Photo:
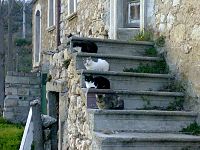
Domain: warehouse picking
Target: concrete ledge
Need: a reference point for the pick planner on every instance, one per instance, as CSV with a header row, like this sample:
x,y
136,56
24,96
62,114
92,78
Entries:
x,y
147,121
111,41
142,112
119,56
114,73
155,93
149,137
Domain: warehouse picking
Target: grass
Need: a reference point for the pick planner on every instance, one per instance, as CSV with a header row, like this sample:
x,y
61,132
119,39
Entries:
x,y
159,67
10,135
193,129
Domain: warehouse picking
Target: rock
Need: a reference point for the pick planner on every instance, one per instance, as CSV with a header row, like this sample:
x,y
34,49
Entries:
x,y
47,121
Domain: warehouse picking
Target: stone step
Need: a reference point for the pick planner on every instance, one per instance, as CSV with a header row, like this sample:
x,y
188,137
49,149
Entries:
x,y
141,99
107,46
117,62
140,120
145,141
131,81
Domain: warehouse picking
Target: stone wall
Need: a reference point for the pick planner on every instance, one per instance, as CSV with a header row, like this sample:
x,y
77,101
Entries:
x,y
20,89
90,20
179,21
74,127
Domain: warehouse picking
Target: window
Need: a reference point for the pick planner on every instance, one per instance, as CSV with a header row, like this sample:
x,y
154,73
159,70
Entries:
x,y
132,14
72,7
51,13
37,39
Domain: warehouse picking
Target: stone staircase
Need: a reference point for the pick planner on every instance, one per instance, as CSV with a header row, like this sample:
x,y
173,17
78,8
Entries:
x,y
145,123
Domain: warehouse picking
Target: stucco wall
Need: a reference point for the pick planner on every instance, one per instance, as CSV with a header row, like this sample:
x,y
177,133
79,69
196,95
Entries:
x,y
179,21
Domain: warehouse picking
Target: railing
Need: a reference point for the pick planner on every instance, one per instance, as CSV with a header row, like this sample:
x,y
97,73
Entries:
x,y
34,123
27,138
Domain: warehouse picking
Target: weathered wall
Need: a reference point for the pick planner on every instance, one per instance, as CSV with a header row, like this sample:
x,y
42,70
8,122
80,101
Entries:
x,y
20,89
91,19
48,34
179,21
74,124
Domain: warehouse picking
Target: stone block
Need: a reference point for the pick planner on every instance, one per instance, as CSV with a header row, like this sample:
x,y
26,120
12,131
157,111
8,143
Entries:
x,y
16,79
35,92
34,80
11,103
10,91
22,91
8,115
24,103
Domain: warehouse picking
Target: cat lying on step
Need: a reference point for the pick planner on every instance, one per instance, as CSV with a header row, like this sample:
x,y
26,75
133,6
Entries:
x,y
98,82
109,101
83,46
100,65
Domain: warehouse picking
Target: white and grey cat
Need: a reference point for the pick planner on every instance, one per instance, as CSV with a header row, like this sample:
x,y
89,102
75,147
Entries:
x,y
100,65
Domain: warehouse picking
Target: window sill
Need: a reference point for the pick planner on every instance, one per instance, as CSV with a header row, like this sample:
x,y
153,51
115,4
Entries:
x,y
51,28
72,16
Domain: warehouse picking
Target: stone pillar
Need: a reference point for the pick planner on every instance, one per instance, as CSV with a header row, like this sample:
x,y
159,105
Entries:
x,y
37,126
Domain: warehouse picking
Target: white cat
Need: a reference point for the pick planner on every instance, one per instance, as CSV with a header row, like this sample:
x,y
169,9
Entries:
x,y
100,65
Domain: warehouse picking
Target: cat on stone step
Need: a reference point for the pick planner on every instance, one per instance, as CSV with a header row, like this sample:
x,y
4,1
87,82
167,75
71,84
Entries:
x,y
85,46
100,65
98,82
109,101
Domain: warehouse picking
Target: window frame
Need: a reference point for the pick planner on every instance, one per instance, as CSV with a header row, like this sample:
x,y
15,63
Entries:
x,y
72,10
38,9
127,22
53,13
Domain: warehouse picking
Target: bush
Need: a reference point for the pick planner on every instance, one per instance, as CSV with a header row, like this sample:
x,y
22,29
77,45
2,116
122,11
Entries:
x,y
22,42
10,135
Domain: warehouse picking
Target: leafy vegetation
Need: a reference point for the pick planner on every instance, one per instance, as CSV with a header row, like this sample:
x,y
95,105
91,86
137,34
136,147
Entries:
x,y
152,52
143,36
10,135
176,105
193,129
22,42
174,86
159,67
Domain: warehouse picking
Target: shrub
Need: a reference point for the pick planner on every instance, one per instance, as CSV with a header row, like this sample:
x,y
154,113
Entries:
x,y
22,42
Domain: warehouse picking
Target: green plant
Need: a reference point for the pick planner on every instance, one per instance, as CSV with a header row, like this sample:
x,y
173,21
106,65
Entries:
x,y
193,129
22,42
152,52
176,105
160,41
159,67
147,102
49,78
10,135
143,36
66,63
174,86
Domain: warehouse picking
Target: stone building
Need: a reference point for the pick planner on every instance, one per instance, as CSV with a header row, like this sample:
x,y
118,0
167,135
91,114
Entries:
x,y
177,20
